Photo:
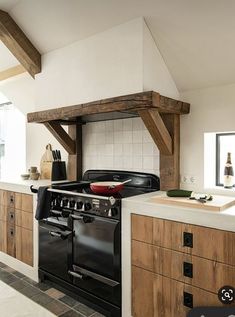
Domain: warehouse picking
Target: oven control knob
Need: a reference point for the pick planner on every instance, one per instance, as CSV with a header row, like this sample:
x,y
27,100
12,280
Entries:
x,y
65,202
57,202
79,204
87,206
72,203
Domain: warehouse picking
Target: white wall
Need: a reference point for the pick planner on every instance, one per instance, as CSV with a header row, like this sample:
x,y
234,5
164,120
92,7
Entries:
x,y
156,75
104,65
212,110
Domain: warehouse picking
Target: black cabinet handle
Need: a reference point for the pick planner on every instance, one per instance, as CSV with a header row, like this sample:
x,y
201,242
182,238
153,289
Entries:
x,y
188,269
188,239
12,232
188,300
12,216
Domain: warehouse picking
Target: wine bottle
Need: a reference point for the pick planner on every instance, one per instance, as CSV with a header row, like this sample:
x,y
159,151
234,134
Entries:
x,y
228,173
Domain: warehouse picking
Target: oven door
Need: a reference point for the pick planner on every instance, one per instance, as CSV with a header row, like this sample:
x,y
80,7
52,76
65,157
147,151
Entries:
x,y
96,244
95,259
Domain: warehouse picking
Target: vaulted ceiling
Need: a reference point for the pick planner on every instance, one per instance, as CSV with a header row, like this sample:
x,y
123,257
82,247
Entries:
x,y
196,38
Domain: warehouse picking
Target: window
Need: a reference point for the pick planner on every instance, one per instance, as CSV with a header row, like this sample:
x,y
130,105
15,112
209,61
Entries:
x,y
225,142
12,140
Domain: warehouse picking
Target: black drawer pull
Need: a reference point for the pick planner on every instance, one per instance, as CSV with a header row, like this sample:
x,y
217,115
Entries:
x,y
12,216
188,239
188,300
11,199
12,232
188,269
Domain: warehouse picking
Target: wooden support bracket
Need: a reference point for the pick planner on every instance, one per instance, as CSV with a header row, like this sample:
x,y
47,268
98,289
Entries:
x,y
61,136
158,130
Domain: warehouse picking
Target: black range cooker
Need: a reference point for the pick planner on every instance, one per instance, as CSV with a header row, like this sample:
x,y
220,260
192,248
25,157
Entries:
x,y
80,242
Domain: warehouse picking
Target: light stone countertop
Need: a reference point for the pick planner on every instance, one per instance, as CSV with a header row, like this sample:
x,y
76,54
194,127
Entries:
x,y
22,186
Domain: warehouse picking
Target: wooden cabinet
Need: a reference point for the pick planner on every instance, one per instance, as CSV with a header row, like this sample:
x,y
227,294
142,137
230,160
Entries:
x,y
181,265
16,225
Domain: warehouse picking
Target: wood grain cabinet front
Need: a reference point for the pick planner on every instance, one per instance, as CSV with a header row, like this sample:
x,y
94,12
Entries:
x,y
16,225
181,265
195,240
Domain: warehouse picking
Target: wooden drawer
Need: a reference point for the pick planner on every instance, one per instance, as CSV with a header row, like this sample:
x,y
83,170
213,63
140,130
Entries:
x,y
27,203
27,220
11,216
154,295
183,267
142,228
3,236
3,213
24,245
11,248
213,244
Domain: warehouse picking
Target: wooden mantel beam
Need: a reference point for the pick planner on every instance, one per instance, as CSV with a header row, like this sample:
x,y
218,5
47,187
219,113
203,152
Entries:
x,y
128,103
61,136
19,45
158,130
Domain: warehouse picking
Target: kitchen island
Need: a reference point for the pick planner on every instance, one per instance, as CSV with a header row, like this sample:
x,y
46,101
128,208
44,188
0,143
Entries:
x,y
145,214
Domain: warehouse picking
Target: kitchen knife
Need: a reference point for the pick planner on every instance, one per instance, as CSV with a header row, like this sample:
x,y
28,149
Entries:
x,y
54,155
59,155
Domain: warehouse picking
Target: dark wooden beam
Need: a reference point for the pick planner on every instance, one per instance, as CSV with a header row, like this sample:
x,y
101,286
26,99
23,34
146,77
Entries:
x,y
157,129
170,164
74,170
19,45
61,136
128,103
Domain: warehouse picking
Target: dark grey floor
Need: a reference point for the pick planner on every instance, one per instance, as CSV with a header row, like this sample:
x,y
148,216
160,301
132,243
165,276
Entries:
x,y
47,296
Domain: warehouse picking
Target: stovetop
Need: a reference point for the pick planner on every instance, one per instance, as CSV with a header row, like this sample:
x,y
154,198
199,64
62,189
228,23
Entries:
x,y
141,183
77,197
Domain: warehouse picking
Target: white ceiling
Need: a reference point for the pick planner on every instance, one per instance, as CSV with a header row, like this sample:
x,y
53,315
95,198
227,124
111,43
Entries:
x,y
195,37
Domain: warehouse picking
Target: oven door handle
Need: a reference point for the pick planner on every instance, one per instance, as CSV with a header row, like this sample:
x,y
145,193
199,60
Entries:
x,y
60,234
75,217
80,276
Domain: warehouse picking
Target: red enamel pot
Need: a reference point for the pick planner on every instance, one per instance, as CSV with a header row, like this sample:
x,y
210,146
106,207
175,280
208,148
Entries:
x,y
107,188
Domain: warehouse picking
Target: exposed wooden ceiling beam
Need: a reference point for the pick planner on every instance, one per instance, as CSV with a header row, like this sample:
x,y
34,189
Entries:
x,y
19,45
11,72
128,103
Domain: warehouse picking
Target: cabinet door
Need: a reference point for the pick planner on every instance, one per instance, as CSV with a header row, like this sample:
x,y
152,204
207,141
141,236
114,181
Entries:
x,y
142,293
3,236
27,202
11,248
142,228
27,246
27,220
3,213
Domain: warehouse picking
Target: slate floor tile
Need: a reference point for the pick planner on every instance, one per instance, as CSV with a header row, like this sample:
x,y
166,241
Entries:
x,y
71,313
30,291
9,269
42,286
8,279
2,265
97,315
42,299
19,284
57,307
29,280
83,309
69,301
19,275
54,293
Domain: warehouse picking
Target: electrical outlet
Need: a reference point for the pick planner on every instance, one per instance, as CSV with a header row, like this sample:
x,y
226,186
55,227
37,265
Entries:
x,y
192,179
185,179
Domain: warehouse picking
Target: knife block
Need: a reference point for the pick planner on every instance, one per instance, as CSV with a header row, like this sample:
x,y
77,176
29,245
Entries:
x,y
58,172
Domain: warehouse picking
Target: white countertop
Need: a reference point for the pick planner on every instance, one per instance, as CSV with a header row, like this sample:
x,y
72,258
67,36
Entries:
x,y
22,186
143,205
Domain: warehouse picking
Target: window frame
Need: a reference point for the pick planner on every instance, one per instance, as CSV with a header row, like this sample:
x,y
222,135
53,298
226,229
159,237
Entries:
x,y
217,158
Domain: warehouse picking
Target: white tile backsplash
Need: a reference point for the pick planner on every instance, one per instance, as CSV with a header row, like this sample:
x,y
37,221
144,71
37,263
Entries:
x,y
119,144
